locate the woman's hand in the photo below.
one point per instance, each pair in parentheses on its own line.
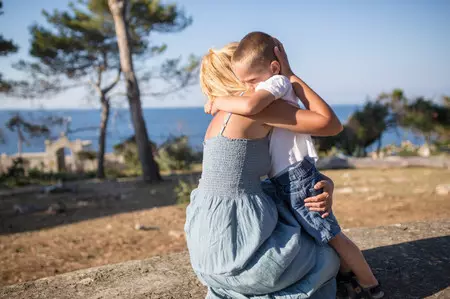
(324,201)
(281,55)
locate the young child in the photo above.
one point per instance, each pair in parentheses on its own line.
(293,156)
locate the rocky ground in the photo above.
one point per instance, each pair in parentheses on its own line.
(112,222)
(411,260)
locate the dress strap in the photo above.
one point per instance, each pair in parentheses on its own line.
(225,122)
(227,119)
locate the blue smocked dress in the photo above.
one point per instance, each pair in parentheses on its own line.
(243,241)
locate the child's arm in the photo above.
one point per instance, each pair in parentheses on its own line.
(265,93)
(314,102)
(283,115)
(245,105)
(309,97)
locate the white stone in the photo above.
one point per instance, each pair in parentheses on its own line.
(378,195)
(346,190)
(424,151)
(363,190)
(177,234)
(443,189)
(82,203)
(86,281)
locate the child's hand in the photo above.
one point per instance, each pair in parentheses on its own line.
(208,106)
(322,202)
(214,109)
(281,55)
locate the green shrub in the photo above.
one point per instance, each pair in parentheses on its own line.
(406,149)
(87,155)
(129,151)
(183,191)
(173,154)
(407,153)
(112,172)
(42,176)
(15,175)
(441,146)
(176,154)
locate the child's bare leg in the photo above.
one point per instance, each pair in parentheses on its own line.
(344,268)
(353,258)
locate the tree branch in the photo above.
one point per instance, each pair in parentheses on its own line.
(39,88)
(118,94)
(99,76)
(114,83)
(175,75)
(168,90)
(82,129)
(96,86)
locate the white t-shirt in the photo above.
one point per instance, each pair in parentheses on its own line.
(286,147)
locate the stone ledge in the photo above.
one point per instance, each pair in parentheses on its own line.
(387,162)
(412,260)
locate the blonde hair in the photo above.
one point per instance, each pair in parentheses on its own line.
(216,76)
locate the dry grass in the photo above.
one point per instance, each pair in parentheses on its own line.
(374,197)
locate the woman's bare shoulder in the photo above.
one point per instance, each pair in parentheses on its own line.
(238,126)
(215,125)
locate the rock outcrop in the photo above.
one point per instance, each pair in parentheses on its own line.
(412,261)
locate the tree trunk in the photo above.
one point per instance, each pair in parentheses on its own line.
(379,146)
(150,169)
(360,151)
(19,141)
(102,138)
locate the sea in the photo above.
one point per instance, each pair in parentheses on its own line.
(161,123)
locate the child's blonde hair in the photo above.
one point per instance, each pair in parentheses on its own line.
(216,76)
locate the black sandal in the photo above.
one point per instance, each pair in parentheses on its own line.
(348,287)
(344,285)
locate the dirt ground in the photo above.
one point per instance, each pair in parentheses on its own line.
(98,223)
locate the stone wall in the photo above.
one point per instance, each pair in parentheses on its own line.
(411,260)
(54,159)
(387,162)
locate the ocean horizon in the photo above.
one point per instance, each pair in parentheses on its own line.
(161,124)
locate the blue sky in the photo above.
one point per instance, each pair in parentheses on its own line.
(346,50)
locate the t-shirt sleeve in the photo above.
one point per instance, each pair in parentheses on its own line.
(277,85)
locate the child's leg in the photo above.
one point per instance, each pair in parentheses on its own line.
(344,268)
(353,258)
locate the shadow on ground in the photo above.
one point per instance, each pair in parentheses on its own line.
(88,200)
(417,269)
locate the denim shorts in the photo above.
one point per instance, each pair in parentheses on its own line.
(295,184)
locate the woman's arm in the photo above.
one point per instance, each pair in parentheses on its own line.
(323,202)
(309,97)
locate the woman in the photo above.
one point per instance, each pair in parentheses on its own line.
(242,242)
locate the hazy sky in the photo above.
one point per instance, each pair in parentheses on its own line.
(346,50)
